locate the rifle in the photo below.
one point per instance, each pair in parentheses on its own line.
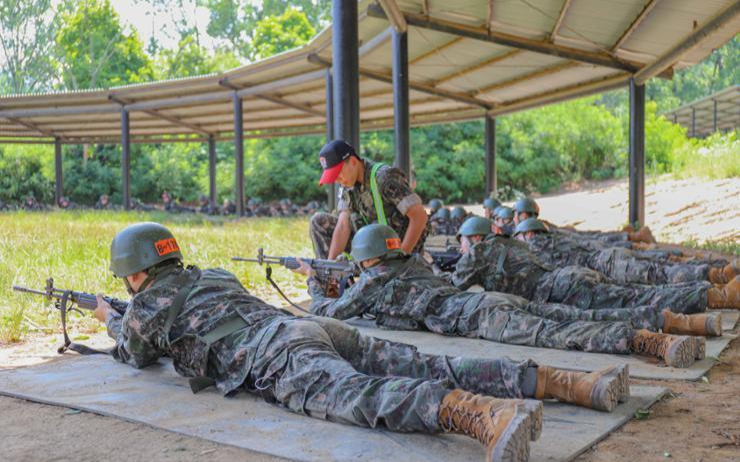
(83,300)
(445,260)
(333,275)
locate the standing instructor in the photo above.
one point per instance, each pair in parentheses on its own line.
(371,192)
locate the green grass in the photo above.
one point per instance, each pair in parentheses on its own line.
(73,248)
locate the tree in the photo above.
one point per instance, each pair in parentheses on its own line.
(27,30)
(276,34)
(191,59)
(94,49)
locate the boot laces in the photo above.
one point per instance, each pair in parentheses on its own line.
(469,423)
(651,345)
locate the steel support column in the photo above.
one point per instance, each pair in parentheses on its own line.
(637,155)
(59,181)
(401,121)
(239,154)
(714,116)
(490,135)
(693,122)
(345,64)
(331,190)
(212,171)
(126,159)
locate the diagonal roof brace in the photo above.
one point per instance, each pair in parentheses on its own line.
(33,126)
(172,119)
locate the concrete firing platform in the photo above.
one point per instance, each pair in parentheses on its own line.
(158,397)
(640,367)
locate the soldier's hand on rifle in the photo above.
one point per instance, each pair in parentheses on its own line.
(103,310)
(304,269)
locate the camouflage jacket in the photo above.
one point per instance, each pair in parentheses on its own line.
(397,199)
(215,296)
(560,249)
(441,227)
(401,294)
(500,264)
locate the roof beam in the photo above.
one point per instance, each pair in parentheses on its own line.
(562,94)
(33,126)
(635,24)
(301,107)
(531,76)
(475,67)
(394,14)
(435,50)
(559,21)
(424,88)
(689,42)
(172,119)
(513,41)
(489,17)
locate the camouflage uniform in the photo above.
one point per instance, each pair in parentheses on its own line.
(315,366)
(507,265)
(397,199)
(404,294)
(441,227)
(619,264)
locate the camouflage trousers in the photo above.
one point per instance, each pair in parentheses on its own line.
(588,289)
(321,230)
(623,266)
(326,369)
(507,318)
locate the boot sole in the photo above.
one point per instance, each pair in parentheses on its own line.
(513,445)
(714,326)
(536,416)
(623,374)
(681,353)
(605,393)
(700,348)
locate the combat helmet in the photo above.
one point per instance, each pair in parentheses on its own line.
(141,246)
(527,205)
(458,213)
(475,226)
(505,212)
(530,224)
(375,241)
(435,205)
(442,214)
(490,203)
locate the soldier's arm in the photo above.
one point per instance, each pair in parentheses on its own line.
(395,189)
(353,302)
(467,271)
(341,234)
(134,337)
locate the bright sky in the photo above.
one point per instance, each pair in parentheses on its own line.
(160,23)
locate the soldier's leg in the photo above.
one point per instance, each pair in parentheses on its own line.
(321,229)
(623,266)
(581,287)
(501,320)
(640,317)
(299,367)
(501,377)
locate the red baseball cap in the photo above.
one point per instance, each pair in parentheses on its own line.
(332,157)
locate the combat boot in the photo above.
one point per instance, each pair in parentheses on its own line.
(674,350)
(727,296)
(705,325)
(600,390)
(643,235)
(722,275)
(504,426)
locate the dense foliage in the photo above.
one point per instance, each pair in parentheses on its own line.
(82,44)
